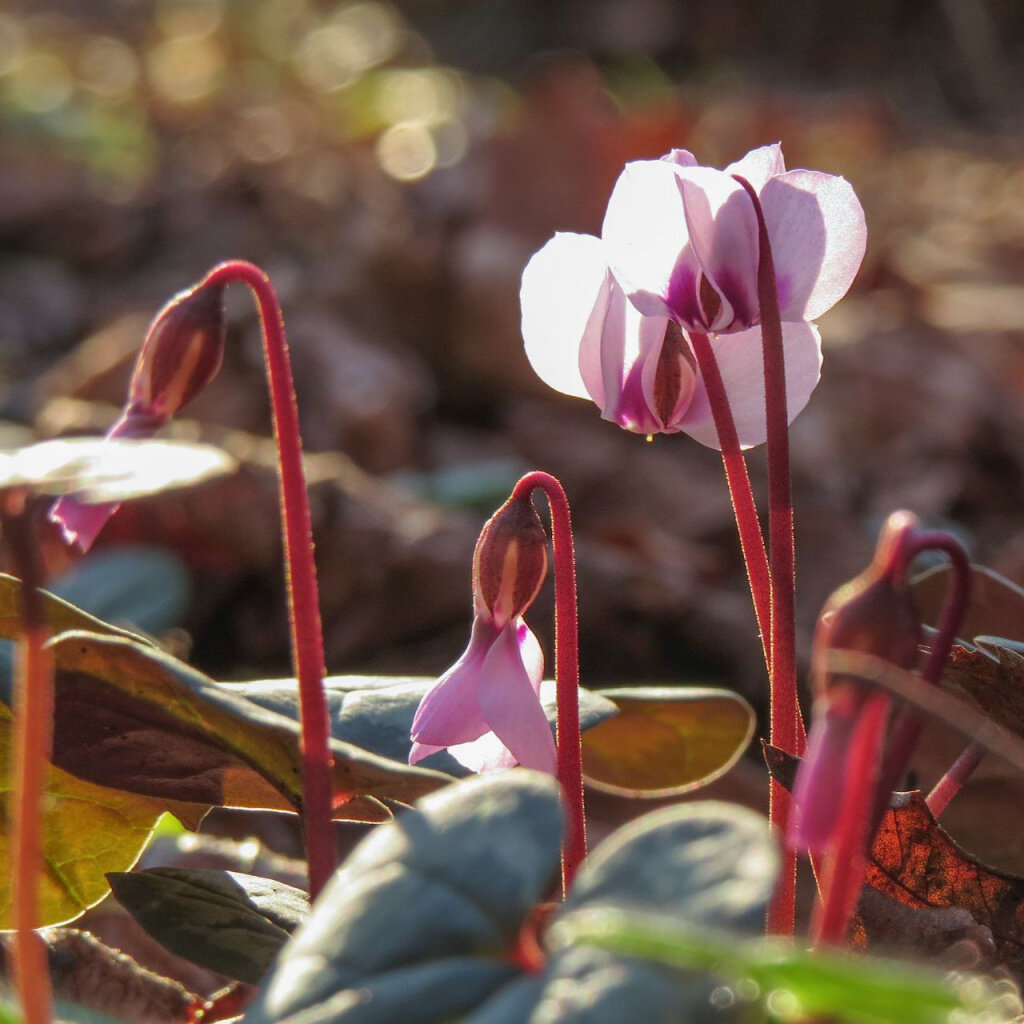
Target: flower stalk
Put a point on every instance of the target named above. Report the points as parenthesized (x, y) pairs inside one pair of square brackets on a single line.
[(567, 674), (33, 736), (303, 595), (786, 729)]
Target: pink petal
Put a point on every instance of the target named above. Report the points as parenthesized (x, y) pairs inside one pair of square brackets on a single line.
[(759, 165), (509, 699), (419, 751), (741, 362), (818, 234), (722, 226), (82, 523), (565, 290), (818, 789), (620, 362), (487, 754), (450, 711), (645, 234)]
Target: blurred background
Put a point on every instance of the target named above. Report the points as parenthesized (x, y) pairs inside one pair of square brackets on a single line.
[(393, 167)]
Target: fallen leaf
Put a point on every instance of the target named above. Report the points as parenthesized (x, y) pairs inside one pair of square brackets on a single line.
[(916, 862)]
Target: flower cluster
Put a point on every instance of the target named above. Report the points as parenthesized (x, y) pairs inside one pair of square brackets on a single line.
[(611, 318)]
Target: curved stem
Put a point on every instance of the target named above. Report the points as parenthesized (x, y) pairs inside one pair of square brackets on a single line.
[(33, 731), (567, 670), (303, 596), (908, 725)]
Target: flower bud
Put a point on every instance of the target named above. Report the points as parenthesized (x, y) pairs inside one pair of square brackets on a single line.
[(182, 353), (510, 561), (873, 614)]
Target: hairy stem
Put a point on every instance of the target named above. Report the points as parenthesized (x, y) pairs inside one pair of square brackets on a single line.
[(303, 595), (567, 670), (33, 732)]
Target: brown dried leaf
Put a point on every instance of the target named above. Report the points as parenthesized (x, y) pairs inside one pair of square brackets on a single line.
[(87, 973)]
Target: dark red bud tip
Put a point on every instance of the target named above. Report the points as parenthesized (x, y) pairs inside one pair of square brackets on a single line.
[(182, 352), (511, 560), (873, 613)]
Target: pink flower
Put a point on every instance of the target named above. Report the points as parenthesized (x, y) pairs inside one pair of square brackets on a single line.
[(609, 318), (486, 708), (180, 355)]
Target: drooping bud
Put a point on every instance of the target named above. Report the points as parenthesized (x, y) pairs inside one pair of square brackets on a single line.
[(182, 353), (510, 560), (873, 614)]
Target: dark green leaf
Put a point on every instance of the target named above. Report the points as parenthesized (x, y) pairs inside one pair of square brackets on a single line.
[(453, 878), (228, 922), (376, 712), (712, 863)]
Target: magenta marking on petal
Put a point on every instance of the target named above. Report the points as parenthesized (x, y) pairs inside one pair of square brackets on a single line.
[(784, 287), (631, 410), (682, 297), (738, 295)]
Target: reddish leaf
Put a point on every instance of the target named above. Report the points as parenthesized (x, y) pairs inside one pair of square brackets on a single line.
[(995, 681), (915, 862), (996, 606)]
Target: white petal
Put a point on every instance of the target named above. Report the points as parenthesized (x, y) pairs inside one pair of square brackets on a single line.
[(564, 285), (759, 165), (816, 226), (741, 363), (645, 232)]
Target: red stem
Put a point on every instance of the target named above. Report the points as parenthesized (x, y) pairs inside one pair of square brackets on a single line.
[(782, 911), (567, 670), (844, 873), (787, 727), (33, 725), (303, 596), (738, 480), (909, 722), (950, 784)]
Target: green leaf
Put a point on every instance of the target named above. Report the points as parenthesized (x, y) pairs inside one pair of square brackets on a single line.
[(711, 863), (231, 923), (376, 712), (666, 740), (452, 879), (795, 983), (88, 830), (133, 718), (60, 616)]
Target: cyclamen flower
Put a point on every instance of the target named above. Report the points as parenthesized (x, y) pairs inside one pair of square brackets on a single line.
[(181, 354), (486, 708), (609, 318)]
